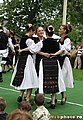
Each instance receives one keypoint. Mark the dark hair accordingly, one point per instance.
(25, 106)
(29, 27)
(2, 104)
(38, 28)
(50, 30)
(18, 115)
(39, 99)
(12, 32)
(67, 28)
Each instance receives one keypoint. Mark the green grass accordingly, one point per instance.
(74, 105)
(78, 74)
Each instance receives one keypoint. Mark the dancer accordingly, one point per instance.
(64, 59)
(4, 43)
(24, 76)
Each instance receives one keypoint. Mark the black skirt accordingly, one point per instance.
(50, 75)
(20, 70)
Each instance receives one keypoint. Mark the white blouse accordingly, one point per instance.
(34, 48)
(66, 46)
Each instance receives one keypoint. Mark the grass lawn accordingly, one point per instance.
(78, 74)
(73, 106)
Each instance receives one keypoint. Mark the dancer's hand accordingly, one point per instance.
(52, 55)
(46, 55)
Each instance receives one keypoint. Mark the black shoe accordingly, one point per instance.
(28, 101)
(63, 101)
(52, 106)
(51, 101)
(19, 99)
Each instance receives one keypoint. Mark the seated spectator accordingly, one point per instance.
(24, 106)
(22, 113)
(41, 113)
(2, 108)
(18, 115)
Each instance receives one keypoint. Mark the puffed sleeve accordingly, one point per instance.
(29, 42)
(33, 48)
(66, 46)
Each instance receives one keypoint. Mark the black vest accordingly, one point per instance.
(3, 40)
(50, 45)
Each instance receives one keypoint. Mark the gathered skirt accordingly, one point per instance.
(25, 76)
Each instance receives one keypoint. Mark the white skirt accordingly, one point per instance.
(30, 79)
(67, 73)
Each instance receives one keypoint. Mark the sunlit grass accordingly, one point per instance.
(78, 74)
(73, 95)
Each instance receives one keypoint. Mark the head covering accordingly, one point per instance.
(50, 28)
(69, 28)
(29, 27)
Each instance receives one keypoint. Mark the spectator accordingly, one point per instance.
(2, 108)
(18, 115)
(41, 113)
(24, 106)
(78, 60)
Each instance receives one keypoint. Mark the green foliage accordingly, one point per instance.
(43, 12)
(75, 11)
(56, 23)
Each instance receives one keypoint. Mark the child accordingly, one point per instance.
(2, 108)
(18, 115)
(41, 113)
(24, 106)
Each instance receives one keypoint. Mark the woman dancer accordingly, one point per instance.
(64, 59)
(24, 76)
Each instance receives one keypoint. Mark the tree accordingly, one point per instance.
(20, 12)
(75, 13)
(42, 12)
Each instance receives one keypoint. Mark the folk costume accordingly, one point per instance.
(65, 63)
(4, 43)
(24, 76)
(3, 48)
(38, 57)
(50, 75)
